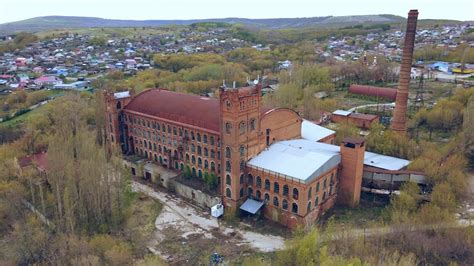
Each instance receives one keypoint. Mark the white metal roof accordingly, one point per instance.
(341, 112)
(120, 95)
(311, 131)
(300, 159)
(384, 161)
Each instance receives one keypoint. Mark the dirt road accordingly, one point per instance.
(186, 223)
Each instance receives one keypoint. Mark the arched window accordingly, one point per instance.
(194, 171)
(285, 190)
(242, 150)
(250, 192)
(200, 173)
(199, 161)
(227, 166)
(228, 193)
(267, 184)
(213, 167)
(227, 180)
(242, 165)
(258, 194)
(119, 105)
(192, 135)
(206, 152)
(211, 140)
(276, 202)
(284, 204)
(242, 127)
(206, 164)
(213, 154)
(193, 159)
(199, 150)
(250, 179)
(193, 148)
(276, 187)
(204, 138)
(267, 197)
(241, 193)
(155, 158)
(252, 124)
(316, 202)
(295, 193)
(228, 152)
(228, 127)
(241, 179)
(259, 181)
(310, 191)
(154, 146)
(324, 196)
(187, 157)
(308, 209)
(181, 166)
(146, 154)
(294, 208)
(198, 136)
(149, 145)
(317, 187)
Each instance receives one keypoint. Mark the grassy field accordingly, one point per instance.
(113, 32)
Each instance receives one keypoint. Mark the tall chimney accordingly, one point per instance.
(399, 120)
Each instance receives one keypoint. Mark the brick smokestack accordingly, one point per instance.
(400, 115)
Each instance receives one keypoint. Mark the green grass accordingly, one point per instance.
(367, 213)
(21, 118)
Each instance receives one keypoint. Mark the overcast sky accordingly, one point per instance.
(13, 10)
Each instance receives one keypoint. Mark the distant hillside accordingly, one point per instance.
(65, 22)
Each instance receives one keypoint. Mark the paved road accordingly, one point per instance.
(371, 105)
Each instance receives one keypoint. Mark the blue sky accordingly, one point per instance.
(12, 10)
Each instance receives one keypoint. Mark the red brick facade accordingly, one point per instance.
(220, 136)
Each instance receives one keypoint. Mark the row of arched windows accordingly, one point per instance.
(252, 125)
(275, 202)
(276, 186)
(176, 131)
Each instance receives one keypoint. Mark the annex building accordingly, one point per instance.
(268, 160)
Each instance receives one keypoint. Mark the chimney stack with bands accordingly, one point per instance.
(400, 114)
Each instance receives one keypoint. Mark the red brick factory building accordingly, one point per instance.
(267, 160)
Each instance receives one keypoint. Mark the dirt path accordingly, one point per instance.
(185, 223)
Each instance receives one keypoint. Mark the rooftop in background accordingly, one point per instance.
(300, 159)
(311, 131)
(384, 162)
(120, 95)
(341, 112)
(39, 160)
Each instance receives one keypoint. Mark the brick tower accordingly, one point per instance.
(114, 128)
(350, 175)
(239, 121)
(401, 102)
